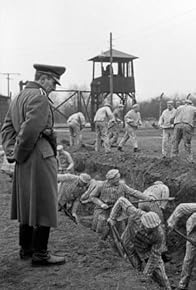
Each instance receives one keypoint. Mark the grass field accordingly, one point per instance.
(149, 140)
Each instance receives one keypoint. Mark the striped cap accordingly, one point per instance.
(113, 173)
(85, 178)
(150, 220)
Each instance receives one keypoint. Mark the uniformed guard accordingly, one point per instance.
(29, 140)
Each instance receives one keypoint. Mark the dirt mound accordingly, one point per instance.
(140, 171)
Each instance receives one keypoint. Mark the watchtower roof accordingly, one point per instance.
(117, 56)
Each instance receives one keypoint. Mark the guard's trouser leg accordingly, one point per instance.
(25, 238)
(41, 257)
(40, 239)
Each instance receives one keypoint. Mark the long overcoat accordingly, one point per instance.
(34, 192)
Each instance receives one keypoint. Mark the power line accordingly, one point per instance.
(8, 80)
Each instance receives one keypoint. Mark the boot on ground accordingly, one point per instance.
(25, 254)
(46, 259)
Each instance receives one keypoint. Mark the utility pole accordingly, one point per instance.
(111, 71)
(8, 81)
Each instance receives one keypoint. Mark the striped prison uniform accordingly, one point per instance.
(144, 247)
(76, 122)
(168, 130)
(64, 159)
(114, 126)
(132, 121)
(109, 194)
(69, 189)
(86, 196)
(157, 191)
(186, 209)
(101, 119)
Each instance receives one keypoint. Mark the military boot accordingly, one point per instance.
(25, 241)
(41, 256)
(44, 258)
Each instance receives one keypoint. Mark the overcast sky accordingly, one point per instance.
(162, 33)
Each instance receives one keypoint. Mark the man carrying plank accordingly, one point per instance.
(106, 194)
(143, 239)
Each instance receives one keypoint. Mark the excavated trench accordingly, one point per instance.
(139, 172)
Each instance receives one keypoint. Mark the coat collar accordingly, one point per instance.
(34, 85)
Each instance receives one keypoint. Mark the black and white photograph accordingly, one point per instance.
(98, 144)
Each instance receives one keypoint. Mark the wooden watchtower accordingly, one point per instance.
(122, 74)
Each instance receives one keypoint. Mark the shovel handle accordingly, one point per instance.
(185, 237)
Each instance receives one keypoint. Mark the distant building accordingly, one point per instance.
(4, 105)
